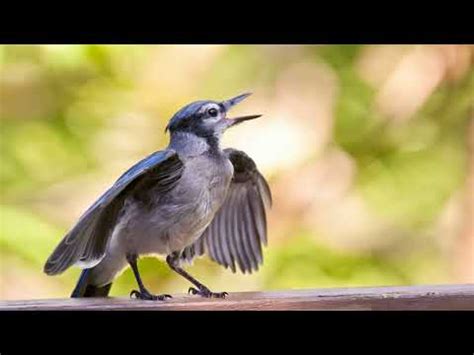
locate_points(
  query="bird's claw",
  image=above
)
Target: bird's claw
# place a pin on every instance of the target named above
(205, 292)
(148, 296)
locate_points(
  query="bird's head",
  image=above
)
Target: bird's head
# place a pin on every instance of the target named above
(206, 118)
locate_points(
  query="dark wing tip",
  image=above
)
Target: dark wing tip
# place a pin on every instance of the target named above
(51, 268)
(48, 269)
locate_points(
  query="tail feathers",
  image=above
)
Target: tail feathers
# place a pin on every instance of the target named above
(85, 289)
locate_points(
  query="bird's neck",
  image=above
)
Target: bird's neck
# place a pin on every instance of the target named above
(189, 144)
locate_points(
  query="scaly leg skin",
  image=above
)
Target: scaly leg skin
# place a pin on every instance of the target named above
(143, 294)
(200, 289)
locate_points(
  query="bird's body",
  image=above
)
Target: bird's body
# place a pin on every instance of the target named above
(189, 199)
(166, 223)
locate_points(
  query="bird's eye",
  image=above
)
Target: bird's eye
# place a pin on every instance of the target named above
(212, 112)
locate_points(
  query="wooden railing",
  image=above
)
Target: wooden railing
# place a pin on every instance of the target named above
(445, 297)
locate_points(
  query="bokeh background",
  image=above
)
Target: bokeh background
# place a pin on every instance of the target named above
(369, 151)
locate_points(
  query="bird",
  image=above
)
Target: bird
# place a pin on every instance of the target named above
(191, 199)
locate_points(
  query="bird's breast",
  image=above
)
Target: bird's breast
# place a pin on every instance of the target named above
(201, 192)
(204, 186)
(179, 218)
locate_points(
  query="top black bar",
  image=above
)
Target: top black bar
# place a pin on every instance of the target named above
(154, 36)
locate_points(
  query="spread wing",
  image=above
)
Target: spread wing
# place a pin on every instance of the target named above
(85, 243)
(239, 229)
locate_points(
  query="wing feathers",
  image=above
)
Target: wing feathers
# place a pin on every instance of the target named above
(85, 244)
(235, 236)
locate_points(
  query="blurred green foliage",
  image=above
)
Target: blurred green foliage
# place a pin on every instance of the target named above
(56, 103)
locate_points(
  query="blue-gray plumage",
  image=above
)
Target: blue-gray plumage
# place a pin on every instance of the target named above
(192, 198)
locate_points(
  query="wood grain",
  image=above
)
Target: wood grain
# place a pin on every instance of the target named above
(441, 297)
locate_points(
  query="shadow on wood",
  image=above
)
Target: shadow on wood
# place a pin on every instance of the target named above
(445, 297)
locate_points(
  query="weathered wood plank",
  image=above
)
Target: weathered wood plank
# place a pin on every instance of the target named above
(444, 297)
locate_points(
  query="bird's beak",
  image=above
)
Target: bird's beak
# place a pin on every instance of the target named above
(228, 104)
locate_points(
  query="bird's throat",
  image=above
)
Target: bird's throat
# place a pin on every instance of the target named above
(188, 144)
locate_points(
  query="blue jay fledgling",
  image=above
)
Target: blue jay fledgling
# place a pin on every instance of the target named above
(190, 199)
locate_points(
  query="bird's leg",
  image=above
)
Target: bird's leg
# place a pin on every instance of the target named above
(201, 290)
(143, 293)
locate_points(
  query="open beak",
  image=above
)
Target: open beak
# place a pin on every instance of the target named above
(228, 104)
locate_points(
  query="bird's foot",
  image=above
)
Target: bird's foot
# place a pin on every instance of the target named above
(205, 292)
(145, 295)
